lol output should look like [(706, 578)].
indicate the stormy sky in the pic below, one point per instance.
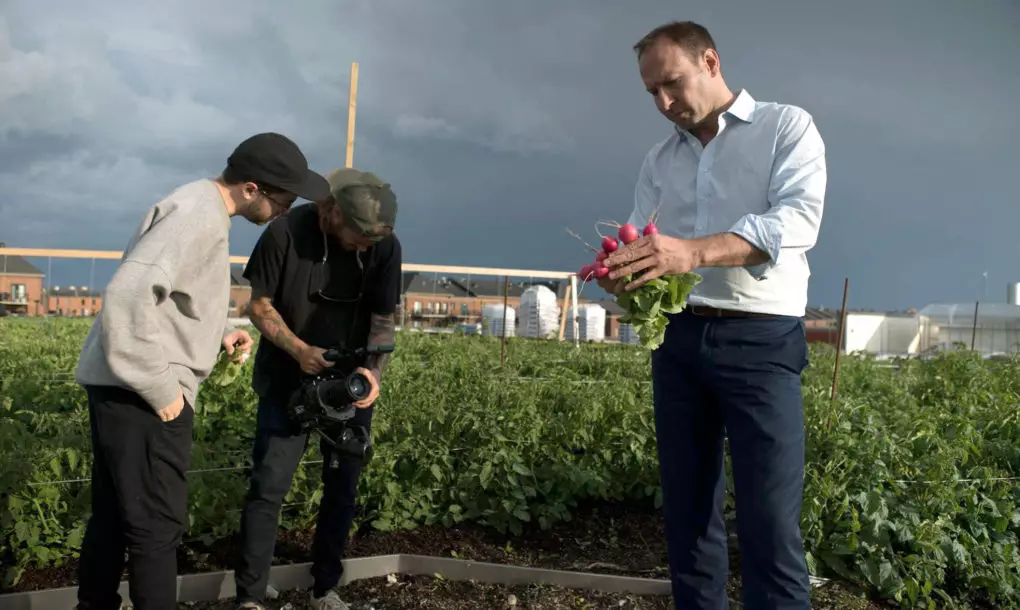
[(499, 123)]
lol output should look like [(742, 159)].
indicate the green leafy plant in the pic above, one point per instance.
[(910, 487), (646, 306)]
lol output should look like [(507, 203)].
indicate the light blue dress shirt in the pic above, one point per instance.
[(763, 177)]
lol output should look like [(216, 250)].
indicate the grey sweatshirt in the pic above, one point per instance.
[(164, 311)]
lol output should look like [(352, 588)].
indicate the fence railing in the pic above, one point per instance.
[(569, 297)]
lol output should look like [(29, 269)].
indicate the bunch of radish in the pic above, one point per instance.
[(627, 233)]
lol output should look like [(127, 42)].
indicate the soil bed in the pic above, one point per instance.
[(609, 539), (424, 592)]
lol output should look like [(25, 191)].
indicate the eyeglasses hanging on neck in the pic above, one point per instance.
[(321, 276)]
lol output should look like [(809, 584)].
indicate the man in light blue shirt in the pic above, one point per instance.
[(739, 186)]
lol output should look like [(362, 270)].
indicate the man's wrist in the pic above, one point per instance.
[(295, 348), (725, 250)]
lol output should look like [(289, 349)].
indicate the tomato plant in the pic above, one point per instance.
[(909, 487)]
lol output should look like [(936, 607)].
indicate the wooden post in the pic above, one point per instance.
[(573, 303), (973, 331), (502, 343), (563, 312), (352, 106), (839, 344)]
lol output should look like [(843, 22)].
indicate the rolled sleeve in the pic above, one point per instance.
[(762, 234), (796, 195)]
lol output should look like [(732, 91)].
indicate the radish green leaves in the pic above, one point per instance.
[(646, 306)]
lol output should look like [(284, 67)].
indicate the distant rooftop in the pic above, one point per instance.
[(825, 313), (440, 285), (237, 278), (15, 265)]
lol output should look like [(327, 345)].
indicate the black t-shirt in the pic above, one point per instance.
[(287, 266)]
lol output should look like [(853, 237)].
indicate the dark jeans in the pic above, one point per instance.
[(742, 375), (277, 452), (139, 502)]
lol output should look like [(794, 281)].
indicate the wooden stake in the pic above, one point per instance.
[(563, 311), (973, 332), (352, 106), (839, 345), (502, 344), (573, 303)]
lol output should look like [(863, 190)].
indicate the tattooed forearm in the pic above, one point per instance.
[(265, 318), (382, 332)]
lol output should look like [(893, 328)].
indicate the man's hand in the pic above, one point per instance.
[(613, 287), (652, 256), (373, 391), (240, 341), (311, 360), (172, 410)]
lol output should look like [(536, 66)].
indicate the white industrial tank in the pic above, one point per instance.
[(540, 313), (591, 323), (1013, 293), (628, 334), (492, 317)]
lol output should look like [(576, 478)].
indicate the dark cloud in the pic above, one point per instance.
[(502, 122)]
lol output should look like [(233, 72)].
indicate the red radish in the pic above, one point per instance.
[(628, 233), (609, 244), (601, 256), (587, 272), (650, 229), (601, 272)]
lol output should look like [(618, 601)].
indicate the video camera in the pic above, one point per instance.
[(325, 403)]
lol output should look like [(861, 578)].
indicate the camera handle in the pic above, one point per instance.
[(334, 354), (344, 439)]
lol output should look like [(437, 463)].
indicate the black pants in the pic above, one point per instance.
[(277, 453), (139, 502), (741, 377)]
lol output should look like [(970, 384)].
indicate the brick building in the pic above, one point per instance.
[(431, 300), (21, 285), (822, 325), (240, 292), (72, 301)]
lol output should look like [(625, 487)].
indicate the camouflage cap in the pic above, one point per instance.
[(367, 202)]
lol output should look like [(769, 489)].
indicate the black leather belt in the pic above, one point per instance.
[(714, 312)]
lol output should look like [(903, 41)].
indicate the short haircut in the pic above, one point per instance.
[(233, 177), (693, 38)]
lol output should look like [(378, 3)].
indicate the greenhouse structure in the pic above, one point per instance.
[(994, 330)]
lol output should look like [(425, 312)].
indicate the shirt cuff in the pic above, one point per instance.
[(762, 235)]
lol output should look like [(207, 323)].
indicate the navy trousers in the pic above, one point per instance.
[(277, 453), (741, 376)]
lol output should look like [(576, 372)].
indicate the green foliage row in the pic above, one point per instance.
[(908, 488)]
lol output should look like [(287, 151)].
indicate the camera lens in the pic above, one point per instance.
[(358, 386)]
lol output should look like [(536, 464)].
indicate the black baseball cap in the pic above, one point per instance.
[(275, 160)]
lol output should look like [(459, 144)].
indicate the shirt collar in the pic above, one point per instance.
[(741, 109)]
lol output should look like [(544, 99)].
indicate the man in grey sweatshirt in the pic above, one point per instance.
[(163, 323)]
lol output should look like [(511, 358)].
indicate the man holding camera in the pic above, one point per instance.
[(325, 276)]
